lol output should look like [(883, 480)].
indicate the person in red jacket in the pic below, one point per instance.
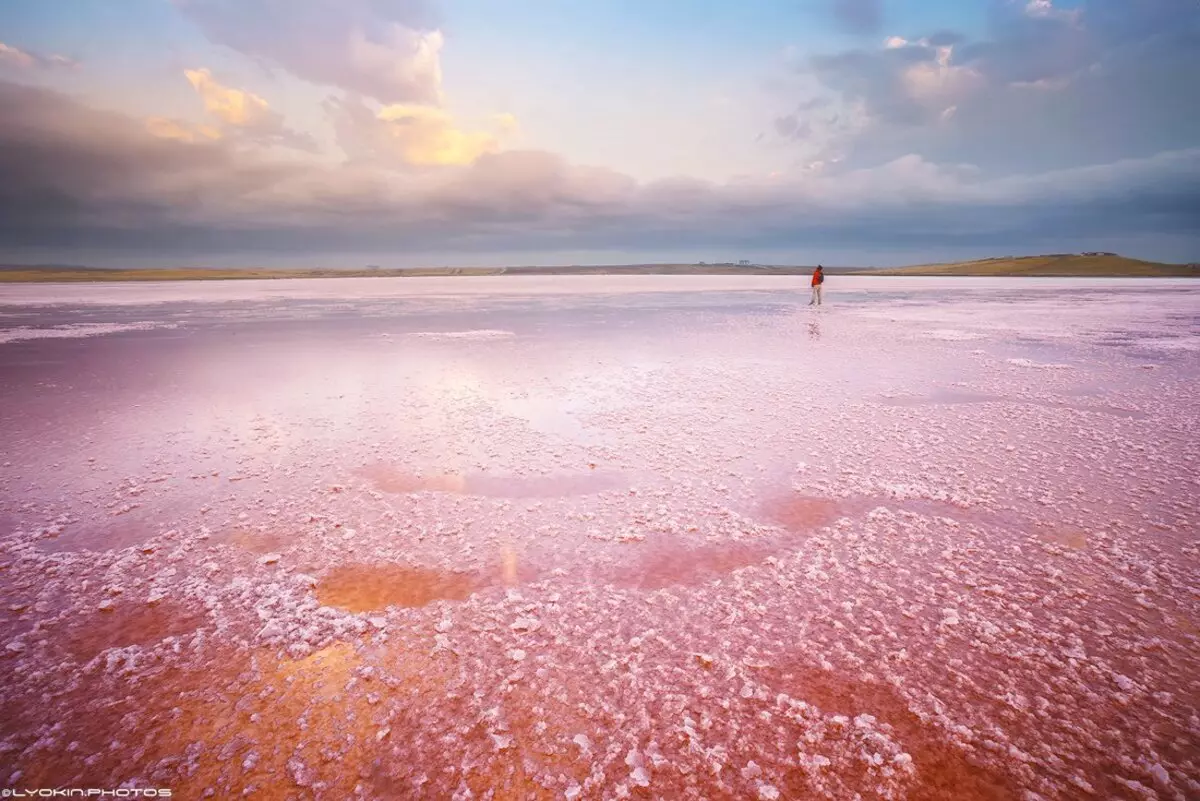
[(818, 278)]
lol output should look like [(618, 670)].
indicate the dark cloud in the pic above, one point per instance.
[(64, 165), (876, 80), (88, 182), (1047, 88), (787, 126), (385, 49), (859, 16)]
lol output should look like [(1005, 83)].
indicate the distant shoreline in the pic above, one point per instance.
[(1055, 266)]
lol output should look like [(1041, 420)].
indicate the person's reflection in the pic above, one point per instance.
[(814, 330)]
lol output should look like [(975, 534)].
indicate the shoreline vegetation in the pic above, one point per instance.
[(1086, 265)]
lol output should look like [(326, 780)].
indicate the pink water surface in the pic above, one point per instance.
[(602, 538)]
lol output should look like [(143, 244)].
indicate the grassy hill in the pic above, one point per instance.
[(1068, 265)]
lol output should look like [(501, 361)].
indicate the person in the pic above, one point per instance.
[(818, 278)]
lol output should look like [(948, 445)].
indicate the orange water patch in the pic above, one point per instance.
[(943, 771), (510, 566), (130, 622), (261, 542), (367, 588), (800, 513), (250, 723), (397, 481)]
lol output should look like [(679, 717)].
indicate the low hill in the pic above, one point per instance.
[(1086, 265), (21, 274), (1062, 265)]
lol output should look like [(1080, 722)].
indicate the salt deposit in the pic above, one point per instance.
[(663, 539)]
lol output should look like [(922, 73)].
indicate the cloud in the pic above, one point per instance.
[(69, 168), (240, 115), (1046, 9), (410, 136), (506, 123), (77, 178), (858, 16), (938, 84), (1045, 88), (11, 56), (165, 128), (388, 50), (232, 106)]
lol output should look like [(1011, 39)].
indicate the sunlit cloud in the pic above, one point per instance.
[(237, 114), (165, 128), (231, 106), (506, 123), (412, 136), (428, 136)]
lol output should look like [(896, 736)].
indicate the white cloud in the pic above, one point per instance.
[(1045, 9), (12, 56), (385, 49)]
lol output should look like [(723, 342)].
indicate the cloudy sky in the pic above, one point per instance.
[(408, 132)]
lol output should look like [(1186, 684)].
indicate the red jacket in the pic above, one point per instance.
[(818, 277)]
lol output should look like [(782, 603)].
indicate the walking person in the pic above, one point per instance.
[(818, 278)]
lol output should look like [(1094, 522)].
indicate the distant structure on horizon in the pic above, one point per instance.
[(744, 263)]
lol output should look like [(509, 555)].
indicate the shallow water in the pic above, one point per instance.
[(602, 538)]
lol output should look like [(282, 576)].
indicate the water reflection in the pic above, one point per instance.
[(944, 396), (396, 480)]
